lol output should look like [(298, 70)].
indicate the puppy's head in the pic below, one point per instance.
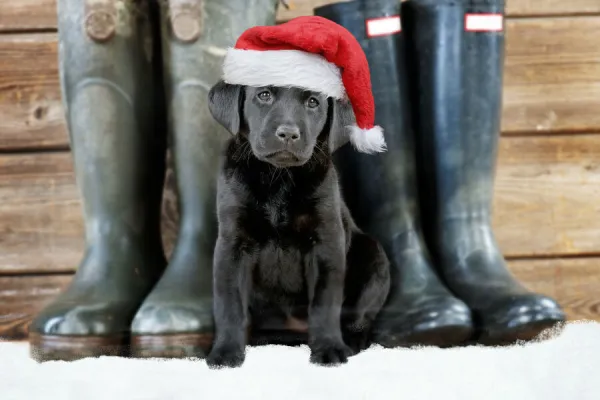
[(283, 125)]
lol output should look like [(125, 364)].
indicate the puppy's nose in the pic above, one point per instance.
[(288, 133)]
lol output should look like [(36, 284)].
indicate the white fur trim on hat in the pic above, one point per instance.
[(284, 68), (368, 140)]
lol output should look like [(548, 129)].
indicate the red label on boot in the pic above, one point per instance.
[(383, 26), (484, 22)]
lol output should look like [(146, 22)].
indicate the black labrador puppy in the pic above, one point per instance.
[(286, 239)]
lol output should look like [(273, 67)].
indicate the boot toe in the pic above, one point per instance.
[(156, 319), (165, 330), (83, 320), (70, 332), (521, 318), (440, 321)]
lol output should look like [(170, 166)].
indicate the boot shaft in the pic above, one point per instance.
[(380, 190), (107, 40), (195, 37), (483, 60), (458, 52), (108, 81)]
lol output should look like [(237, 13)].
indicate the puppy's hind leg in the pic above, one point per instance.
[(367, 285)]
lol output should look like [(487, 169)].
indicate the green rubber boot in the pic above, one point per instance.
[(107, 77), (176, 318)]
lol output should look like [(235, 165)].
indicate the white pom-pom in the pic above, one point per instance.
[(368, 140)]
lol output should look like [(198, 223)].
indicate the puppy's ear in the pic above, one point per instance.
[(342, 118), (225, 105)]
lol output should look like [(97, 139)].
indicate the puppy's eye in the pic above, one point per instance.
[(264, 95), (313, 103)]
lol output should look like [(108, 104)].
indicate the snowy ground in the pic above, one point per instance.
[(564, 368)]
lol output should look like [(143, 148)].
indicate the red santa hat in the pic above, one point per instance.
[(310, 53)]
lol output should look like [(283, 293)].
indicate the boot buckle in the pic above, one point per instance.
[(186, 19), (100, 19)]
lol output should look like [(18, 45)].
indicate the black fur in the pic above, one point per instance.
[(286, 239)]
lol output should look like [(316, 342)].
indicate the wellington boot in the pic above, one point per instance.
[(458, 52), (115, 128), (176, 319), (381, 190)]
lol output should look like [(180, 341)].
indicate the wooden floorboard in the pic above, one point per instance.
[(31, 113), (22, 297), (27, 15), (544, 193), (551, 82), (543, 205), (573, 282), (547, 184), (514, 8)]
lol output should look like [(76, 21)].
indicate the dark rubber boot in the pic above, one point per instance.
[(381, 191), (176, 319), (459, 73), (107, 78)]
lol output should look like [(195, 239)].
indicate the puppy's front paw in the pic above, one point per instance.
[(226, 357), (329, 353), (357, 341)]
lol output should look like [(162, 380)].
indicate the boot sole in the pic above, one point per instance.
[(180, 345), (44, 348), (533, 331), (443, 337)]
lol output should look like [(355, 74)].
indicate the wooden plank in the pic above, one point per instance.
[(523, 8), (517, 8), (552, 75), (27, 15), (22, 297), (552, 82), (573, 282), (30, 15), (41, 214), (544, 204), (31, 114), (546, 191), (41, 228)]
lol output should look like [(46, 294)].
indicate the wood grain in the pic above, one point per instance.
[(22, 297), (546, 191), (544, 204), (552, 82), (30, 15), (40, 213), (573, 282), (41, 225), (552, 75), (31, 114), (517, 8), (27, 15), (523, 8)]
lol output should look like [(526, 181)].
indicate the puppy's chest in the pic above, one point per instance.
[(284, 232), (283, 222)]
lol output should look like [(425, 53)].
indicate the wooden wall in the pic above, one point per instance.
[(547, 213)]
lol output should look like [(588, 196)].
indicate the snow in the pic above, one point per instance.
[(563, 368)]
